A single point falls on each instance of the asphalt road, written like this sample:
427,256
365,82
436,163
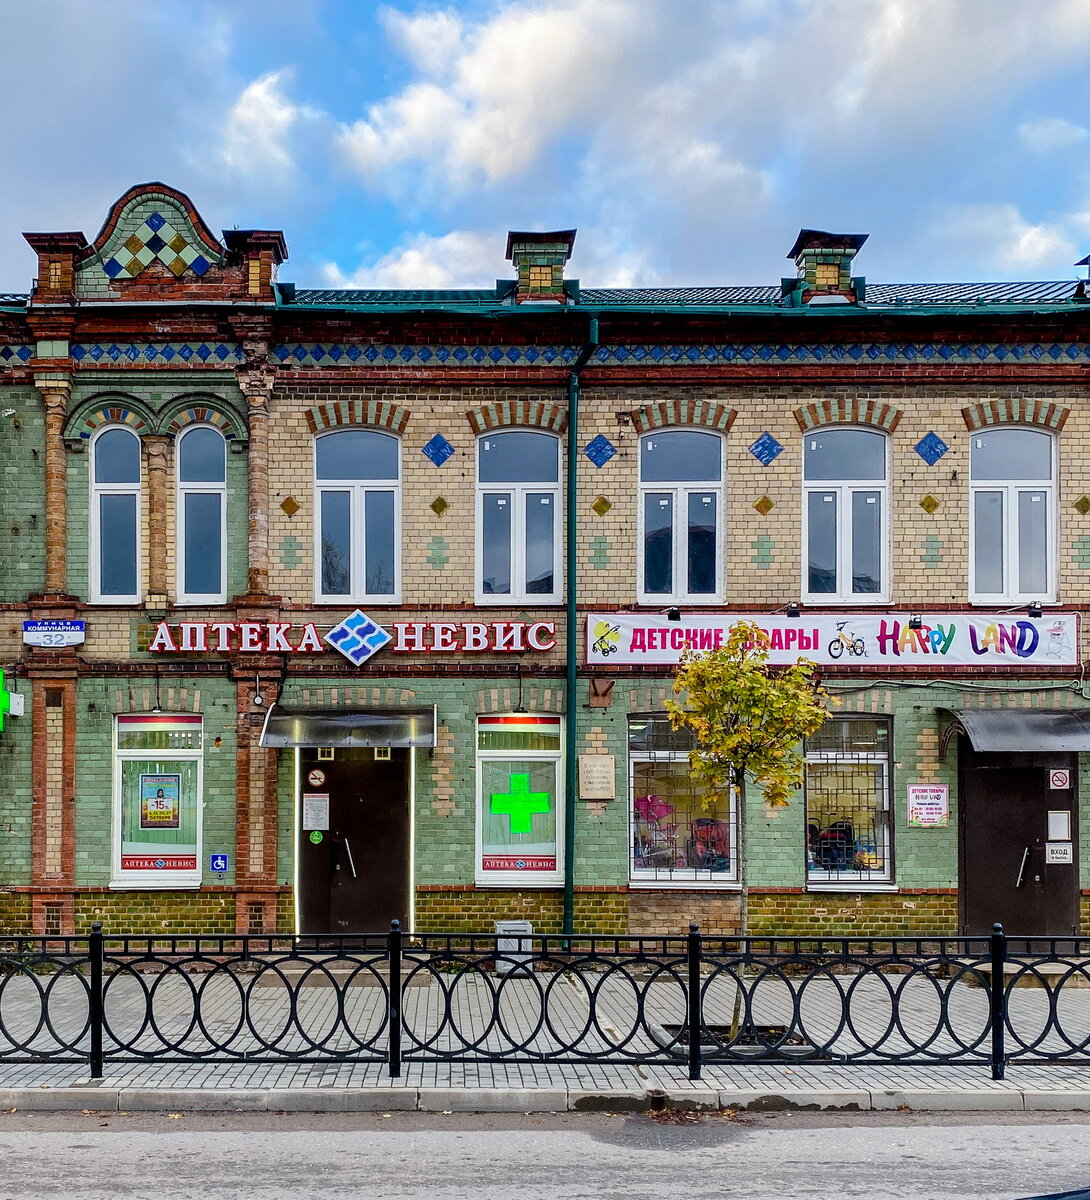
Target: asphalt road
270,1156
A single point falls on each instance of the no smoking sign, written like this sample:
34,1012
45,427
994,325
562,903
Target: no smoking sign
1059,781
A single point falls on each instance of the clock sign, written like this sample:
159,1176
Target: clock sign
316,778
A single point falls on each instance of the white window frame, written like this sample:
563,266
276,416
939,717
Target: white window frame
517,492
97,491
855,879
182,490
506,879
844,490
1010,490
154,880
680,493
357,489
689,878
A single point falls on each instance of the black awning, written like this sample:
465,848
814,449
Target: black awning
349,727
1024,728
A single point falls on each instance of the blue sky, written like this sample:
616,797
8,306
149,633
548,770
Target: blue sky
687,140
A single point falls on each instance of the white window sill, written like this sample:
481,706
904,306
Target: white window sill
818,602
1015,602
519,601
688,885
848,885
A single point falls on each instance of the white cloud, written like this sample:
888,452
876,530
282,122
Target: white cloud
1050,134
260,126
462,258
999,233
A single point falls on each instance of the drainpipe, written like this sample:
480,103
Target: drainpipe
571,546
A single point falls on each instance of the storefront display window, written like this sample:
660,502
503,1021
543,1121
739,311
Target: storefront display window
158,786
847,801
675,837
519,802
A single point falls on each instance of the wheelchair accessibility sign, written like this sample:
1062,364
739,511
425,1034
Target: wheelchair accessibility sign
219,863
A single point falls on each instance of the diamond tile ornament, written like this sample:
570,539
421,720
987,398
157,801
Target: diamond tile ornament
438,506
155,239
289,506
931,448
438,450
357,637
764,506
601,506
765,449
600,450
1082,505
929,504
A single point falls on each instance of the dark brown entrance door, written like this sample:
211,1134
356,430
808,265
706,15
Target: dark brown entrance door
354,877
1005,800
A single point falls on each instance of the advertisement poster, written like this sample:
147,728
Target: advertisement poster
160,801
928,805
868,639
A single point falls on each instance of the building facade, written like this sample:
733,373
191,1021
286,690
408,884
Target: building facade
326,607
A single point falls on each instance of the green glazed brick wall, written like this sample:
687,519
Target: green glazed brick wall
14,912
174,913
841,914
97,701
462,911
15,794
22,480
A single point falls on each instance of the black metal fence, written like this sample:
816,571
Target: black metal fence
384,1000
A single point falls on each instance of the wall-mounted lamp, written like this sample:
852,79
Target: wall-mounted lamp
1034,610
792,610
673,614
915,621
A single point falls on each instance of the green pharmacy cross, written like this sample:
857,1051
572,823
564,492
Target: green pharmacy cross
5,700
520,804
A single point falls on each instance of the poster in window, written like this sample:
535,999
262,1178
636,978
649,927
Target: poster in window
160,801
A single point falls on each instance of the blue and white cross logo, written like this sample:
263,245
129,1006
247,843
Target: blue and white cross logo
357,637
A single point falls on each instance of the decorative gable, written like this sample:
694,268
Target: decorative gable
152,231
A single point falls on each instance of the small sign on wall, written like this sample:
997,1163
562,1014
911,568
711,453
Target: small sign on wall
928,805
315,810
597,777
1059,852
1059,781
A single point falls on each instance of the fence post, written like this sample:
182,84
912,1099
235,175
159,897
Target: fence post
695,1014
394,1023
998,1000
94,998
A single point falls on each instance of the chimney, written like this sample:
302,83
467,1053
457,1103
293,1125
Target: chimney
57,252
824,263
539,260
260,253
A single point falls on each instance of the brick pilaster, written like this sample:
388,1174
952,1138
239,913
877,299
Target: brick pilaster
55,392
155,450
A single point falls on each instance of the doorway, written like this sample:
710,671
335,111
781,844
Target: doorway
353,839
1014,809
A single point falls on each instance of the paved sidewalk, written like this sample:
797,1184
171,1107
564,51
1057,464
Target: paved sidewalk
536,1088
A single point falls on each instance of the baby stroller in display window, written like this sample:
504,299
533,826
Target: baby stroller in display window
655,843
708,846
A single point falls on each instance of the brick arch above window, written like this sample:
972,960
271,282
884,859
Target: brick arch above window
106,410
855,411
683,412
1016,410
537,414
204,410
379,414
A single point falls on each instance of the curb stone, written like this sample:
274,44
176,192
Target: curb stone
949,1100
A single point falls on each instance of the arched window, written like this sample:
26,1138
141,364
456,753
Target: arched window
681,538
202,516
115,516
1013,515
357,553
846,507
518,495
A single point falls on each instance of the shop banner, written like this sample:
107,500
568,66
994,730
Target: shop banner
871,639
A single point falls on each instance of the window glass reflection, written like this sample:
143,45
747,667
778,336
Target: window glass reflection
844,454
203,544
356,454
117,457
518,456
680,456
1011,454
201,455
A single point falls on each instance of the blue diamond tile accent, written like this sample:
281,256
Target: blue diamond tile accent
461,354
112,267
357,637
549,354
621,353
819,352
514,354
354,353
477,354
156,221
438,450
97,352
407,352
186,353
600,450
168,352
150,353
532,354
748,353
495,354
729,353
370,354
155,242
204,352
639,353
658,353
674,352
856,352
765,353
132,353
1038,350
199,265
336,353
424,354
389,353
931,448
77,352
765,449
442,354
